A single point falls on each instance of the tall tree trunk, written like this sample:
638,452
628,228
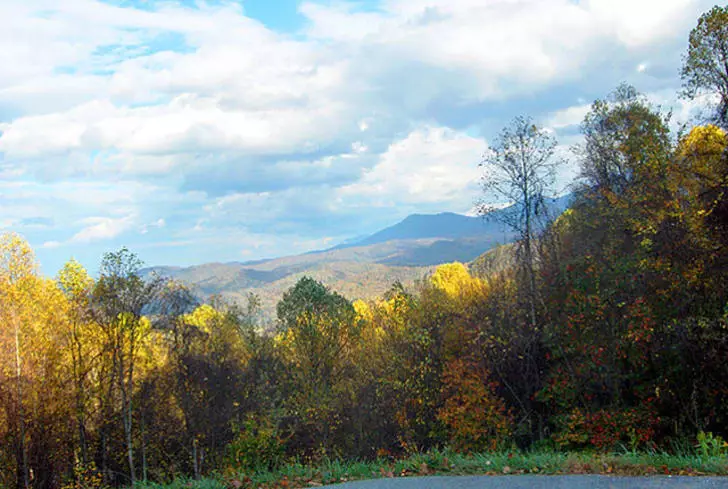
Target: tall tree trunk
531,277
195,465
104,458
144,447
129,446
78,373
527,243
126,415
21,410
107,412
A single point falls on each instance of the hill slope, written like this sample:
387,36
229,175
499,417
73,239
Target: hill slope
423,226
448,226
363,269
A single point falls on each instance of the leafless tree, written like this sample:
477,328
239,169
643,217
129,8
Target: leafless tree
520,170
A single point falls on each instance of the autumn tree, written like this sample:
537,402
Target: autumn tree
210,351
519,169
77,285
120,298
411,382
705,67
317,329
18,269
602,326
33,366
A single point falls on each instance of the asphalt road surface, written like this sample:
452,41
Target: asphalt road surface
540,482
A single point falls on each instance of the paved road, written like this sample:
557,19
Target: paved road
541,482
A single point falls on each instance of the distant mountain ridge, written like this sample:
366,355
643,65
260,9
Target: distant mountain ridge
361,268
446,225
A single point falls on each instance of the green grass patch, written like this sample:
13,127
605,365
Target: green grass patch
298,475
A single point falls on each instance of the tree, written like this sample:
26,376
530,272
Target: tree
33,367
705,68
210,352
319,324
520,169
317,331
76,284
17,268
120,298
626,144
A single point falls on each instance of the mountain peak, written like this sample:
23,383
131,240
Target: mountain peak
444,225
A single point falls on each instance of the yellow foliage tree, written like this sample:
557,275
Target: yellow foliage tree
33,314
455,280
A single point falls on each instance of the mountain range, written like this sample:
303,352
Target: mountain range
359,268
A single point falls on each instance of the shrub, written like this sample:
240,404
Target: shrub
257,446
606,429
710,445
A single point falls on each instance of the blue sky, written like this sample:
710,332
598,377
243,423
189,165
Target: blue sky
194,131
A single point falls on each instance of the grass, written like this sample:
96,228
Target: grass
297,475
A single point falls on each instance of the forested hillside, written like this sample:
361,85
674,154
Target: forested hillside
235,282
605,328
361,269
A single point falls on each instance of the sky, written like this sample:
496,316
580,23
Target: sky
195,131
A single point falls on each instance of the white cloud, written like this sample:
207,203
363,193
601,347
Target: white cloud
159,224
119,111
102,228
239,87
571,116
430,166
503,47
637,23
49,245
284,95
186,125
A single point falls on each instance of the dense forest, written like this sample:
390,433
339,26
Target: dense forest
604,327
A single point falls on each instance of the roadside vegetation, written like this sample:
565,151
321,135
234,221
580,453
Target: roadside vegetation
447,463
603,331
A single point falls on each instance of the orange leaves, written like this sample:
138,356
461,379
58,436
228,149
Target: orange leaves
604,429
476,417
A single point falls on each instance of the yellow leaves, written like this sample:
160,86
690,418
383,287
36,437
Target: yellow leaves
563,222
455,280
33,316
202,317
286,339
17,259
646,244
222,332
371,330
391,310
74,280
363,311
704,141
145,325
153,351
701,151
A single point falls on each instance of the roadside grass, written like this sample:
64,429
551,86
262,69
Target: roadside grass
297,475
